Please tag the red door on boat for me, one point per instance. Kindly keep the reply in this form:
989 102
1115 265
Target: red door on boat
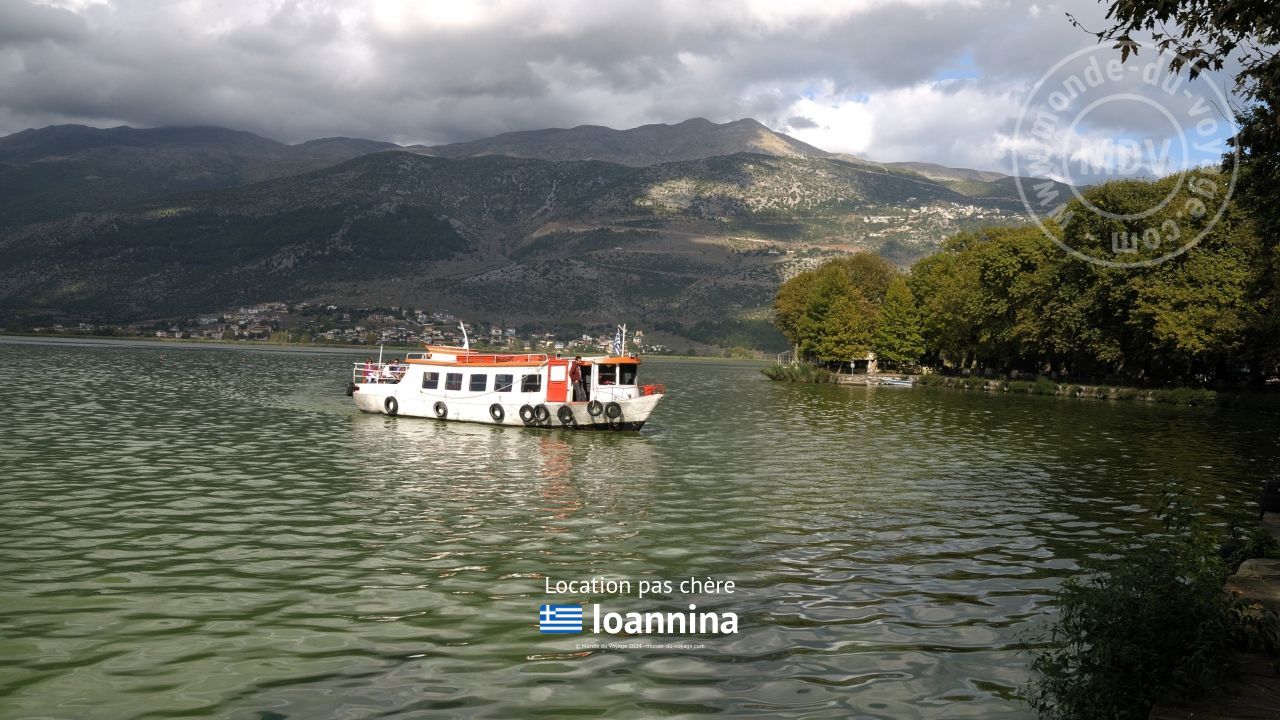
557 380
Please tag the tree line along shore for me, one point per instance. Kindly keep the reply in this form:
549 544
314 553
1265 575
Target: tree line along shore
1007 302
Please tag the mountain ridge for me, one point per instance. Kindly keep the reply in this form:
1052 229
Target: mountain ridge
643 145
192 220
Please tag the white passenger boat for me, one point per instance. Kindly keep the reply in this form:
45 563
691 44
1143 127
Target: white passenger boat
533 390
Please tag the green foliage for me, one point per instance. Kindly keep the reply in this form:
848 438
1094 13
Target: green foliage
1150 623
838 326
1200 35
1185 396
1241 545
1007 299
898 340
831 313
797 373
1044 386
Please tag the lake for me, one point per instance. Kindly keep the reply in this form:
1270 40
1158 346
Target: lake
216 532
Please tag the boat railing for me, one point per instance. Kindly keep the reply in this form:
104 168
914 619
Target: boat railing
363 373
500 358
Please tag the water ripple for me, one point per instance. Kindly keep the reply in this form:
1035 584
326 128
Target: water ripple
204 532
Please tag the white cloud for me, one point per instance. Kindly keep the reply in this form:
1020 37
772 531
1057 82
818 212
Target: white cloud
950 122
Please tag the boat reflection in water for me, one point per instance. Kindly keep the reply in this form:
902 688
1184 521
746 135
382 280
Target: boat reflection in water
557 472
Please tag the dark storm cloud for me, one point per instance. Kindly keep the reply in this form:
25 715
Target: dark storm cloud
414 71
22 23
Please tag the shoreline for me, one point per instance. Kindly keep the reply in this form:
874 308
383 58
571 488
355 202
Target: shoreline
1239 398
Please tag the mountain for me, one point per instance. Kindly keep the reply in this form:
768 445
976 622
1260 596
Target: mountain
645 145
945 174
674 244
687 228
65 169
978 183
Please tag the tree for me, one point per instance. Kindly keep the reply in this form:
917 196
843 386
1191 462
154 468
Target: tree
1005 298
869 273
847 327
898 339
1208 35
837 321
789 305
830 313
946 286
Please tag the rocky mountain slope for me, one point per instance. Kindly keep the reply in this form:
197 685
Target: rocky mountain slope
680 228
583 240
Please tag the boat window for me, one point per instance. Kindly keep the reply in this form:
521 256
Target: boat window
627 374
502 383
608 375
430 381
453 381
479 383
531 383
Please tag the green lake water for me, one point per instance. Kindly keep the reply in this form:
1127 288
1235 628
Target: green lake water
216 532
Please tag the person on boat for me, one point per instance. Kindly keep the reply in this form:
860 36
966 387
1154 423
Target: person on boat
370 375
390 371
575 376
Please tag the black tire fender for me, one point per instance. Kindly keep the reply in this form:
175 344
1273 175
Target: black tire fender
526 414
496 412
613 411
391 405
594 408
565 415
351 389
541 413
440 409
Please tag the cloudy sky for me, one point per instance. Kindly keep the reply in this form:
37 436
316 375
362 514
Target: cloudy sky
932 80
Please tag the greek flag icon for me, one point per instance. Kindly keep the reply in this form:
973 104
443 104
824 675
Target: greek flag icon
560 618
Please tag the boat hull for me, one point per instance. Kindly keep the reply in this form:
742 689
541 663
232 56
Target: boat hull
402 401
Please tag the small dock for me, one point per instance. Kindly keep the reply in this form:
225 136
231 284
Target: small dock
1254 691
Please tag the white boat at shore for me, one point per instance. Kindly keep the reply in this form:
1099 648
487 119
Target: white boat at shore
530 390
895 382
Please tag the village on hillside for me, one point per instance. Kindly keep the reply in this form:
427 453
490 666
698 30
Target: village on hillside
338 325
